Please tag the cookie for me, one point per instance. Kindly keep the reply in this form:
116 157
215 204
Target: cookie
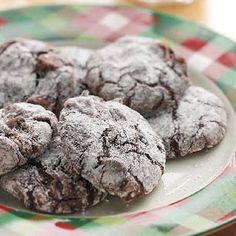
198 122
25 132
79 57
32 71
112 146
146 74
50 184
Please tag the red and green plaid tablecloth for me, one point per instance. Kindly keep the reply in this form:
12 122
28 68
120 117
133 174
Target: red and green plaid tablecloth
209 53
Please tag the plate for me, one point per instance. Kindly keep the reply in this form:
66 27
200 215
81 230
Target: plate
172 208
182 178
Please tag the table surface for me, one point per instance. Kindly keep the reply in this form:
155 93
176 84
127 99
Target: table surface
215 14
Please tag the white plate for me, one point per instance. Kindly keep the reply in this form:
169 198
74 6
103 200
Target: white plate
182 177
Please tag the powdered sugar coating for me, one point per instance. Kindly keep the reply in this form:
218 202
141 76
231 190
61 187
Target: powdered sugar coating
25 132
32 71
50 184
112 146
79 57
198 122
145 73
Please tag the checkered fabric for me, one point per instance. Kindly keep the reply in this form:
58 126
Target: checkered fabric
206 51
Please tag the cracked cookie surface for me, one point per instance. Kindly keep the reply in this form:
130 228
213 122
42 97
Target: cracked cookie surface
25 132
145 73
197 122
32 71
51 184
112 146
79 57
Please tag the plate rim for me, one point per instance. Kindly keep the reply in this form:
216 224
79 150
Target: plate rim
182 19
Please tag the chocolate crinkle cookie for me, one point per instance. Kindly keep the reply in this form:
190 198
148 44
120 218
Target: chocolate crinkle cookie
79 57
112 146
198 122
50 184
25 132
32 71
146 74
